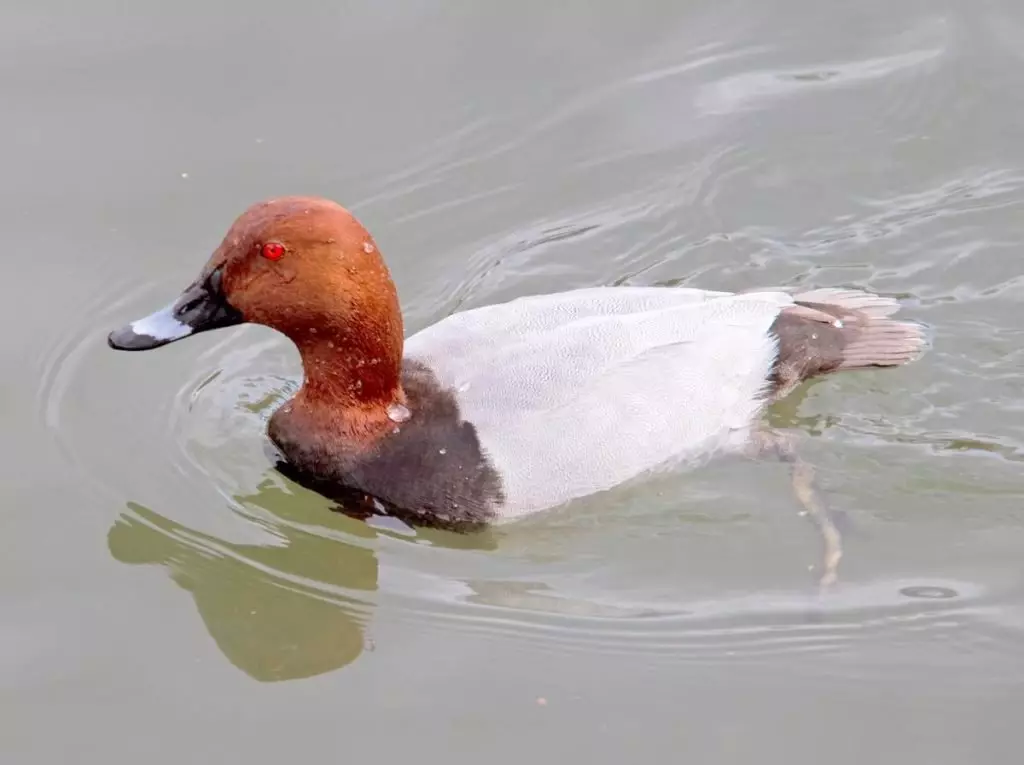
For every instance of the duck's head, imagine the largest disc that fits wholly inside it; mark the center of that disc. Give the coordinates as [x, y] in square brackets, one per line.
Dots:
[307, 268]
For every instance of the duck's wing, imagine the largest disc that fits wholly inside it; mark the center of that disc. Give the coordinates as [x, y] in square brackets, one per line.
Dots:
[577, 392]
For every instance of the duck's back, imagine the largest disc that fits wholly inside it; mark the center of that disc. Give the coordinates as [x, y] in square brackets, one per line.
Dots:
[576, 392]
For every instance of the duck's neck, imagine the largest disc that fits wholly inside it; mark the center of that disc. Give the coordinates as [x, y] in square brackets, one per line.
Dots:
[352, 386]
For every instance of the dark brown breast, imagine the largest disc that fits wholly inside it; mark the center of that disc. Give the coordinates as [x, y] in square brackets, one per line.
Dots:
[429, 470]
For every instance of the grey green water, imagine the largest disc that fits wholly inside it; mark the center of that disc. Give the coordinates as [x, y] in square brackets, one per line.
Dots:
[166, 597]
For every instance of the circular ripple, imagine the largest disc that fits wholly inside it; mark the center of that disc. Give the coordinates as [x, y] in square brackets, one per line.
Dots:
[929, 592]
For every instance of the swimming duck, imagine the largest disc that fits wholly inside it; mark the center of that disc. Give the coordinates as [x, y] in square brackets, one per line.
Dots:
[508, 409]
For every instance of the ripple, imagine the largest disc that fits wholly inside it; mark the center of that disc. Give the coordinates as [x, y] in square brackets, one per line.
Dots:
[928, 592]
[894, 216]
[747, 90]
[62, 367]
[759, 627]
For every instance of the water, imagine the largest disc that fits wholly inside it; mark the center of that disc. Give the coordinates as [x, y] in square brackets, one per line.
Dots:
[168, 596]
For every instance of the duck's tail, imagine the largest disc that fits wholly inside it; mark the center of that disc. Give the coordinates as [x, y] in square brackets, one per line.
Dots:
[873, 339]
[831, 330]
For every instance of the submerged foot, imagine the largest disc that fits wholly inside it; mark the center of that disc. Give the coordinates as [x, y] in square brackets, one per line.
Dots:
[783, 446]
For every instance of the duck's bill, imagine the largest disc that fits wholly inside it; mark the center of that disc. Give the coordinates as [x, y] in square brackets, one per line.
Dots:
[199, 308]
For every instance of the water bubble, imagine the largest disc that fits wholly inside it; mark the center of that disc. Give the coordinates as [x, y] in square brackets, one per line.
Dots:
[398, 413]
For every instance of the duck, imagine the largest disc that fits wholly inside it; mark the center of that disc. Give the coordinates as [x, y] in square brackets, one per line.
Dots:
[500, 411]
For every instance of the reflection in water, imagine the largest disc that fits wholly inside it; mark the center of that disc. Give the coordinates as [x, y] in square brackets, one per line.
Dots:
[277, 612]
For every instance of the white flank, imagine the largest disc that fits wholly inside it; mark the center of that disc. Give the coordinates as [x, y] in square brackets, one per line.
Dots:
[576, 392]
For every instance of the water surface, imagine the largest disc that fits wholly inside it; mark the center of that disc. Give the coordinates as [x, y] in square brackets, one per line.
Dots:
[168, 596]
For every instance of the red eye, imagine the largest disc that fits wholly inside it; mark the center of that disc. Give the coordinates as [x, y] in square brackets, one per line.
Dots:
[273, 250]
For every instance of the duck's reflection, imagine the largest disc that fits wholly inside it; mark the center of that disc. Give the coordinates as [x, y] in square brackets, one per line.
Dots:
[286, 611]
[276, 612]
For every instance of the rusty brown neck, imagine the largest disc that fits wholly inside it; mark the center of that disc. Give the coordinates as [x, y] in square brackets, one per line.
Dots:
[352, 379]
